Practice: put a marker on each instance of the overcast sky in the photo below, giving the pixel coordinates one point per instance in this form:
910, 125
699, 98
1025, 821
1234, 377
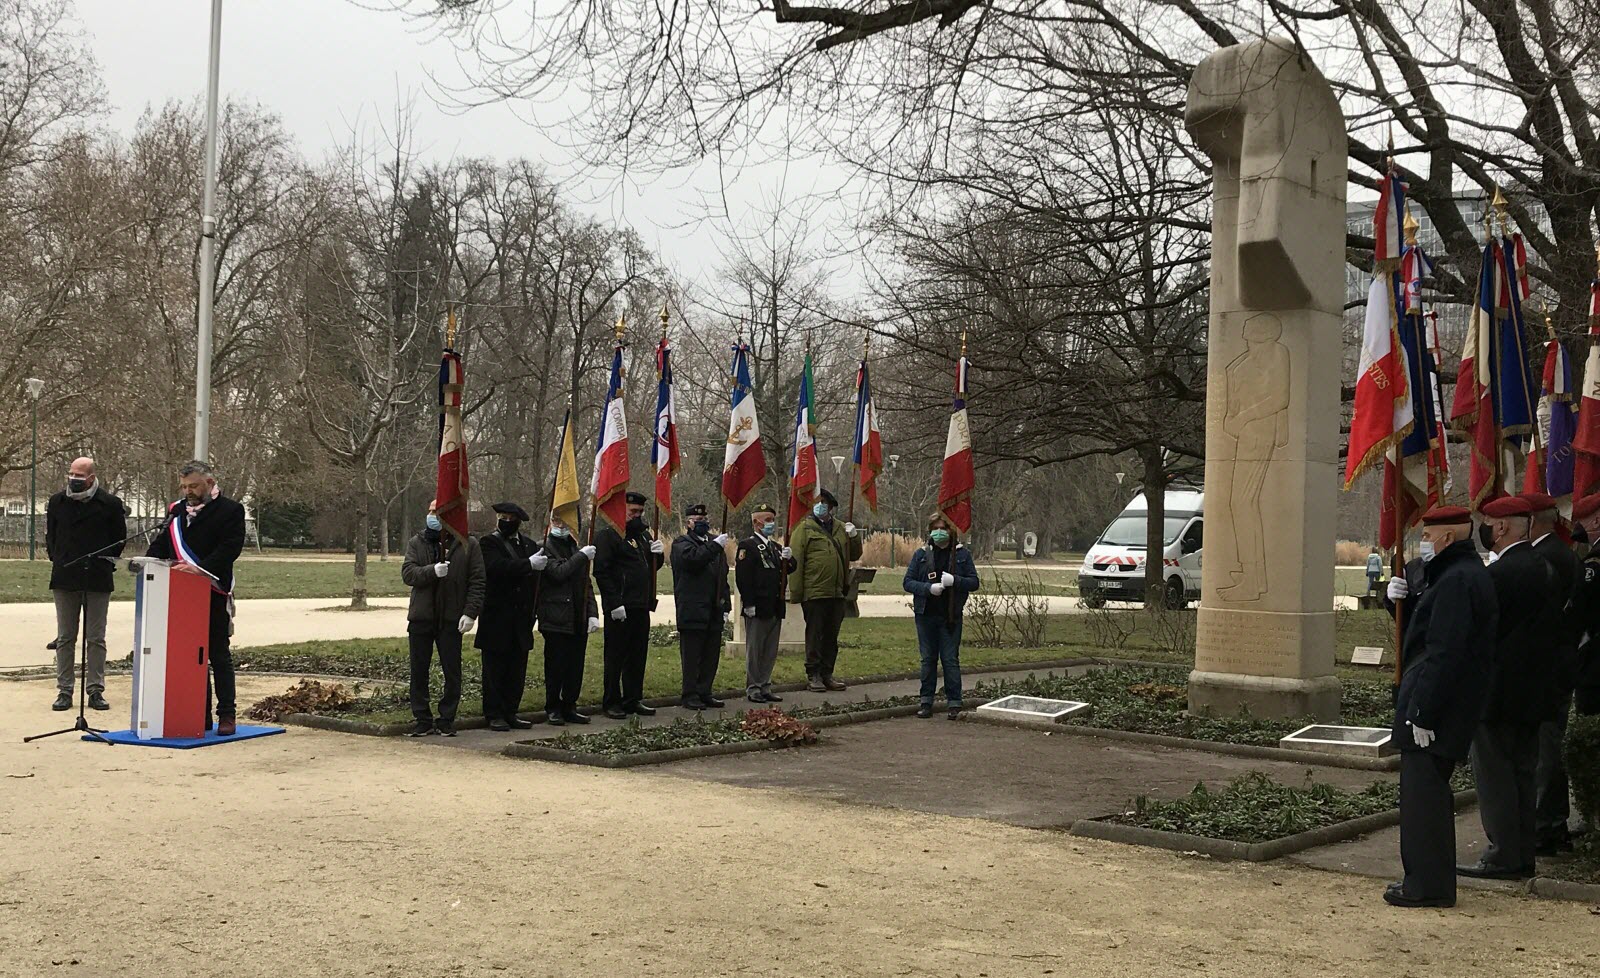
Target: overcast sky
328, 66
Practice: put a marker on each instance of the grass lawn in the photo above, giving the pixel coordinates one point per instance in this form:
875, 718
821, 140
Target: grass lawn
22, 580
868, 646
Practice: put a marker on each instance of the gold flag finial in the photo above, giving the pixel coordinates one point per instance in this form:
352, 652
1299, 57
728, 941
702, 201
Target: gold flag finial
1411, 226
622, 325
1548, 327
664, 317
963, 342
449, 326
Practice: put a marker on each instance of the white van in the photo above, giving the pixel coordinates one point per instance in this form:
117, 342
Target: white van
1113, 569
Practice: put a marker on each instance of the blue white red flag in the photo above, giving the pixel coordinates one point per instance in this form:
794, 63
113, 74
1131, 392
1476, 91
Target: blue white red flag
609, 486
869, 443
803, 468
664, 455
744, 463
956, 478
450, 485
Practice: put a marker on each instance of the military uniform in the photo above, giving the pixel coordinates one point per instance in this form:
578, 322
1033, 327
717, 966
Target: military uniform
1586, 620
505, 629
700, 593
758, 570
1553, 807
624, 574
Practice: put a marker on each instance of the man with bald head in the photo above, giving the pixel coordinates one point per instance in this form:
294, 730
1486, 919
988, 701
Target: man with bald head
80, 520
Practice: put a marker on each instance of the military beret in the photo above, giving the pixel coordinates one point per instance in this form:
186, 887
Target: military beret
1538, 502
511, 509
695, 509
1447, 516
636, 499
1506, 506
1586, 507
767, 508
828, 498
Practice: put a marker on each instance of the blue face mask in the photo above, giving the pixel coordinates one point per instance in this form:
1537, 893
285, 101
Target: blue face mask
821, 511
433, 522
768, 529
559, 532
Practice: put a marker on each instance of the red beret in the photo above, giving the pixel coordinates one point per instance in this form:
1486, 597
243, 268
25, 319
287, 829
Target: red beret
1539, 501
1586, 507
1446, 516
1506, 506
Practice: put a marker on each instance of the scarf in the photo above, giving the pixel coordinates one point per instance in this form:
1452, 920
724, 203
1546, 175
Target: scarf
84, 496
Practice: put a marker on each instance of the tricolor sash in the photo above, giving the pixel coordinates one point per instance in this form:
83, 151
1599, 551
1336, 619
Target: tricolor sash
184, 555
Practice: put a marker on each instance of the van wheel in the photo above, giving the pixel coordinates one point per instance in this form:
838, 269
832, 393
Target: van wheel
1175, 600
1094, 598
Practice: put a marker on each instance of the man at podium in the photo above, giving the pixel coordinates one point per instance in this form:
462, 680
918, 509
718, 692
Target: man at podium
204, 535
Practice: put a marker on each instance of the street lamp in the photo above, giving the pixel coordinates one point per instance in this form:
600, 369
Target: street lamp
35, 388
894, 460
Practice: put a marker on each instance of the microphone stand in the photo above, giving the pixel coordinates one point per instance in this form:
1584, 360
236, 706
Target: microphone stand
81, 725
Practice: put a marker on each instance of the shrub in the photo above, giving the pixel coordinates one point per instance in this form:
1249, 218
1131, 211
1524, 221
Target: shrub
1110, 630
875, 549
1172, 630
1255, 808
1582, 753
1351, 553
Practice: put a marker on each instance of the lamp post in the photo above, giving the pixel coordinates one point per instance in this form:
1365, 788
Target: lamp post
894, 460
35, 388
208, 250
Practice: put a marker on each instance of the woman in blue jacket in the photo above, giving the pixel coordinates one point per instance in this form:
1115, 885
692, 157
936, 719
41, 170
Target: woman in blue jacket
939, 578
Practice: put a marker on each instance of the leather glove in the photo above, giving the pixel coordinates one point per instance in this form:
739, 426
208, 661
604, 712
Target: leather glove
465, 624
588, 552
849, 529
539, 561
721, 539
1399, 590
657, 547
619, 613
787, 554
1422, 735
936, 589
947, 579
594, 625
441, 569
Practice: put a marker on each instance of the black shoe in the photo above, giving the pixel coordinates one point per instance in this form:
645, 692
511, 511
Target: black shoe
925, 710
53, 644
1396, 896
955, 713
555, 720
1551, 847
816, 685
756, 697
834, 684
446, 728
517, 723
712, 702
616, 713
573, 716
63, 702
692, 703
1483, 871
499, 726
97, 700
772, 697
421, 728
639, 709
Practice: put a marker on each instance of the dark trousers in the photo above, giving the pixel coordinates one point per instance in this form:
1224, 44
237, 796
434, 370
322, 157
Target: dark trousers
823, 618
424, 637
1505, 761
698, 650
1427, 826
939, 647
563, 671
221, 654
505, 676
1553, 809
627, 645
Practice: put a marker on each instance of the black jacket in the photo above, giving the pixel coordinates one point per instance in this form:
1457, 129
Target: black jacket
1562, 622
700, 583
1449, 653
74, 529
215, 536
508, 588
1586, 605
436, 602
624, 570
758, 570
1526, 660
566, 601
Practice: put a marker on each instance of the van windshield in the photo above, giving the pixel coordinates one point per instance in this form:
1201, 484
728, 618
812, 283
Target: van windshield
1128, 529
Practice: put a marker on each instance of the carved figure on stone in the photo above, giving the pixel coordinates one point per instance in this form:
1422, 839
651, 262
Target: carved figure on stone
1257, 418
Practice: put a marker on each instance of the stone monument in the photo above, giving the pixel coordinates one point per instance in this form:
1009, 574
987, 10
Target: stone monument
1272, 127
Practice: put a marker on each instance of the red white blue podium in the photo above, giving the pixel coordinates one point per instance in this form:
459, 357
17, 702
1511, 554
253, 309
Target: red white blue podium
171, 629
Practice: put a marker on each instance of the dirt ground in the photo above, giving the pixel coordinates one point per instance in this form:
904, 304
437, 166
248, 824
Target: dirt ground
322, 854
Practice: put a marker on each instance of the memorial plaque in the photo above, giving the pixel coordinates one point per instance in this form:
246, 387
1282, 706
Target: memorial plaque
1033, 708
1330, 738
1367, 655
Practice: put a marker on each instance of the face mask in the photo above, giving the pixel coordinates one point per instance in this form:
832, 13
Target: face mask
820, 511
77, 485
1579, 534
1425, 550
939, 537
433, 523
508, 528
1486, 536
636, 525
767, 529
700, 527
559, 532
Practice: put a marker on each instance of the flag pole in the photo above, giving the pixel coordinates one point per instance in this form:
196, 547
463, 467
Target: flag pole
1397, 560
951, 593
733, 391
855, 455
1508, 264
655, 497
550, 499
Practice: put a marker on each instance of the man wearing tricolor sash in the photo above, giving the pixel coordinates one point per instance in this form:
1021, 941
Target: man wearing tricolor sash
204, 535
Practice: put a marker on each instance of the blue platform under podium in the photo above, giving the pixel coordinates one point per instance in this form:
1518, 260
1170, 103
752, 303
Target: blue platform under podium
246, 732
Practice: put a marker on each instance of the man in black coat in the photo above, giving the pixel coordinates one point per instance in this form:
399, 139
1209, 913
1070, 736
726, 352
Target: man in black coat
1447, 660
700, 591
80, 520
625, 566
759, 571
567, 617
1505, 751
204, 535
511, 564
1551, 541
1586, 602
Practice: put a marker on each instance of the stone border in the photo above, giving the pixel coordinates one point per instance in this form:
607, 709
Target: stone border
1551, 888
1255, 852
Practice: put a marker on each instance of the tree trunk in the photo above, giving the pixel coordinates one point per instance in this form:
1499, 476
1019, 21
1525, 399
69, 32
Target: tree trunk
383, 533
1155, 498
358, 589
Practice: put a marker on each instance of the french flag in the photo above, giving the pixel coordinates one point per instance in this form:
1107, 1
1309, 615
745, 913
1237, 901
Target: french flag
1383, 411
450, 482
609, 487
803, 469
744, 464
956, 480
1550, 468
664, 453
1586, 441
869, 443
1388, 234
1473, 409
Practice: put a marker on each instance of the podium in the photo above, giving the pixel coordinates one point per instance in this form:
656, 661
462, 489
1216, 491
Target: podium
171, 635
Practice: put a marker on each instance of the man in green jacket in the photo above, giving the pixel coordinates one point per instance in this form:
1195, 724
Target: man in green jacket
823, 549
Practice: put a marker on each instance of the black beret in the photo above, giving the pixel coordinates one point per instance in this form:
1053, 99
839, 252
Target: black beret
636, 499
695, 509
511, 509
764, 508
828, 498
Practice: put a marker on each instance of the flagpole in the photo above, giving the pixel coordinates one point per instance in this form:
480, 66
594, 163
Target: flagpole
961, 389
655, 497
1508, 264
855, 468
551, 498
733, 392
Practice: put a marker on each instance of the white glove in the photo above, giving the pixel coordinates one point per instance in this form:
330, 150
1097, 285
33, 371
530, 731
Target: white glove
619, 613
441, 569
1398, 589
657, 547
1422, 735
465, 624
721, 539
947, 579
849, 529
539, 561
588, 552
594, 625
787, 554
936, 589
750, 612
727, 616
